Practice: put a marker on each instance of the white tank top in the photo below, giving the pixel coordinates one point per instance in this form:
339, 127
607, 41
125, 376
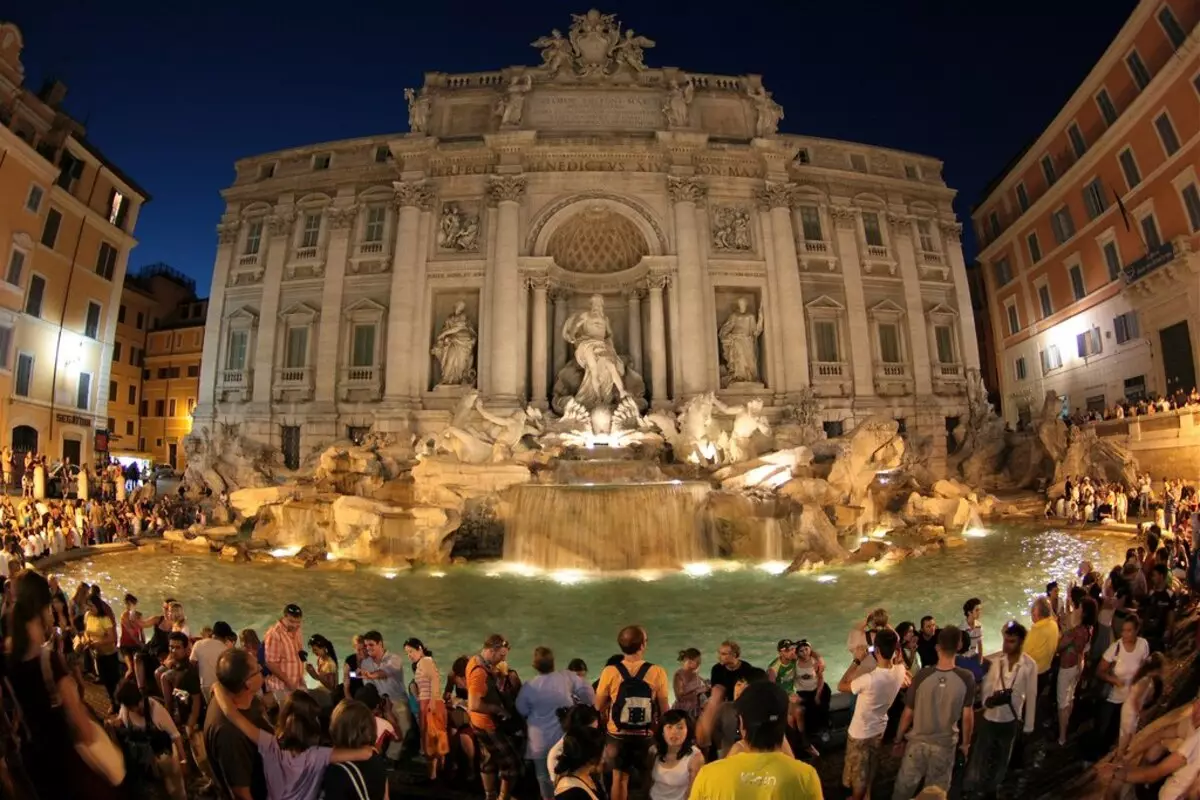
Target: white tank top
671, 783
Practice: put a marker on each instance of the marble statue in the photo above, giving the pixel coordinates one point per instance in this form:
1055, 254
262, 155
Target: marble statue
630, 51
504, 437
739, 344
454, 348
590, 333
557, 52
678, 104
511, 105
418, 110
459, 230
731, 229
748, 420
769, 112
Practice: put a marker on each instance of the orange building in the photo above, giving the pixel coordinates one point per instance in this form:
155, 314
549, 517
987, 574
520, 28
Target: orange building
67, 216
1088, 239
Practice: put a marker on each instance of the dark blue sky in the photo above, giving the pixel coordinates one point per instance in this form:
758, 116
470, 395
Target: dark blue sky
175, 98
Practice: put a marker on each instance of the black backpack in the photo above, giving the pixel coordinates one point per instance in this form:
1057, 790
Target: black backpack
634, 710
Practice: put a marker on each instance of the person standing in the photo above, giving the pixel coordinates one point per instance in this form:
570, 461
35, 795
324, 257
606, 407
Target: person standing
972, 611
1010, 695
281, 646
927, 639
874, 692
728, 670
206, 652
633, 692
935, 701
499, 762
539, 701
385, 671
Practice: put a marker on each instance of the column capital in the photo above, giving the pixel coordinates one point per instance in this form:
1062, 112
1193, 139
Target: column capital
280, 223
227, 232
559, 293
414, 194
505, 188
686, 190
342, 218
775, 195
844, 216
901, 223
539, 282
951, 231
657, 281
634, 294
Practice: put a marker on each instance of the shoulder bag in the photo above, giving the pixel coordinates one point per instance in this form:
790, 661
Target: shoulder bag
356, 779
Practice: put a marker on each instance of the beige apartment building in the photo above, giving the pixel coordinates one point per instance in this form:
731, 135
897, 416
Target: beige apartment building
1089, 239
67, 216
171, 380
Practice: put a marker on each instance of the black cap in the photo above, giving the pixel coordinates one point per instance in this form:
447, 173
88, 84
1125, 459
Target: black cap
292, 610
802, 643
785, 644
223, 630
760, 703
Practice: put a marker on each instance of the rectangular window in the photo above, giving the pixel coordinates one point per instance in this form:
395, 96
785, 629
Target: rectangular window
1166, 132
1020, 368
37, 290
382, 154
83, 394
193, 371
1150, 232
1137, 68
1172, 27
1051, 358
235, 356
1088, 343
1014, 322
321, 161
363, 354
889, 343
858, 162
376, 215
312, 230
6, 334
1002, 272
296, 352
944, 337
1077, 288
50, 230
1047, 305
132, 395
129, 427
16, 265
925, 234
144, 410
1022, 196
810, 223
70, 168
871, 229
171, 407
106, 261
1077, 141
134, 356
162, 374
160, 408
1191, 201
994, 224
116, 207
253, 238
191, 404
1048, 170
1125, 327
1107, 109
1062, 224
266, 171
121, 313
112, 393
24, 375
141, 320
825, 332
1112, 259
1128, 166
1093, 198
1035, 248
91, 327
802, 156
33, 200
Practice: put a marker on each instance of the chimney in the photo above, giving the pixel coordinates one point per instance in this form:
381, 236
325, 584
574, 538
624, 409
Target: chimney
53, 92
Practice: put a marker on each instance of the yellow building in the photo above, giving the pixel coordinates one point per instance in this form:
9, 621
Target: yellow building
67, 217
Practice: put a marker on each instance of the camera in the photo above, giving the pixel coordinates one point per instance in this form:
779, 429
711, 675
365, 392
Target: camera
303, 655
1000, 698
353, 673
871, 649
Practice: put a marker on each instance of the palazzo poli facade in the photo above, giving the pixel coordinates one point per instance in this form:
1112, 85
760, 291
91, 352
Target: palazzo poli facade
369, 284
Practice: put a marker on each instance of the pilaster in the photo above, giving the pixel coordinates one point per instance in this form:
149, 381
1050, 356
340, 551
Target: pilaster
280, 228
776, 199
411, 198
329, 360
506, 339
691, 285
918, 340
845, 224
952, 244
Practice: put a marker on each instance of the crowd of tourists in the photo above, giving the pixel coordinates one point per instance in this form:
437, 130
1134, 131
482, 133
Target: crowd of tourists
1159, 404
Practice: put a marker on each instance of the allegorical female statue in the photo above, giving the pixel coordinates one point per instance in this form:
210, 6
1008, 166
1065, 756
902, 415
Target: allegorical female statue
454, 348
739, 344
589, 331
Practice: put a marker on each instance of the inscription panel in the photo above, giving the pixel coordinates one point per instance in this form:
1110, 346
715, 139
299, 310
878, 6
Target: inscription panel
564, 110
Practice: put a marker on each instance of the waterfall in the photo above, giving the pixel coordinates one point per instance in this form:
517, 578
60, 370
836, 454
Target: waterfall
607, 527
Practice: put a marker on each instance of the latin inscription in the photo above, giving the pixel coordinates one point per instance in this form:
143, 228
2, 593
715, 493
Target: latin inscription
593, 111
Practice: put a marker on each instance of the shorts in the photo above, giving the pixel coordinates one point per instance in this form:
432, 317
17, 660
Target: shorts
628, 753
1068, 679
497, 756
861, 761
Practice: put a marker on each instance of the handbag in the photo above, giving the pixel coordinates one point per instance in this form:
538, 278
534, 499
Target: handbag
101, 755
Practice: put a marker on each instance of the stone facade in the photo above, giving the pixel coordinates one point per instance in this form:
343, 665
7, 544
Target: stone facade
349, 275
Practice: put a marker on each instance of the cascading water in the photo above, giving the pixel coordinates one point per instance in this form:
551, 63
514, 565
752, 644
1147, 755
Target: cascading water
609, 527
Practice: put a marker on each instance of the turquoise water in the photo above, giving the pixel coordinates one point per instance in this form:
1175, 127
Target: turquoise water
579, 616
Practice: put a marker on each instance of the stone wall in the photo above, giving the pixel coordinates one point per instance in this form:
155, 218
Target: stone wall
1165, 445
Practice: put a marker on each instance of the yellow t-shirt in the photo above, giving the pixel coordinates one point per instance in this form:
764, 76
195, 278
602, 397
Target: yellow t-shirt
97, 627
757, 776
610, 682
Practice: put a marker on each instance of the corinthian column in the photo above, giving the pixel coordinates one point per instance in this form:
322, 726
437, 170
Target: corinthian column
505, 338
540, 284
690, 288
412, 197
329, 332
905, 253
658, 342
634, 298
280, 227
776, 199
559, 295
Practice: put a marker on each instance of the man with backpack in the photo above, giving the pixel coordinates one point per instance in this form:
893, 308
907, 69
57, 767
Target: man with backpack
493, 719
633, 693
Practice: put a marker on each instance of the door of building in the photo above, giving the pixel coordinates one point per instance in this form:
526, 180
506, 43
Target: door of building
1179, 367
290, 445
172, 454
73, 450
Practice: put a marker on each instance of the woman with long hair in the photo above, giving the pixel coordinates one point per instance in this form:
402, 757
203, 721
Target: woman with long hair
690, 688
435, 741
100, 638
677, 759
578, 768
1121, 663
458, 723
326, 670
53, 713
1073, 647
1144, 692
353, 726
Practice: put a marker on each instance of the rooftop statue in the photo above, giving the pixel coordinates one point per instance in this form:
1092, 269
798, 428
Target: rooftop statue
593, 47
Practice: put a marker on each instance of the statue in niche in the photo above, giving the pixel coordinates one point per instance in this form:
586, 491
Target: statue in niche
739, 344
459, 230
454, 348
603, 370
769, 112
731, 229
418, 110
678, 103
630, 51
511, 105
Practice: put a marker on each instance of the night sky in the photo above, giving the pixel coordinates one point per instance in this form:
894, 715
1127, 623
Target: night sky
174, 99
